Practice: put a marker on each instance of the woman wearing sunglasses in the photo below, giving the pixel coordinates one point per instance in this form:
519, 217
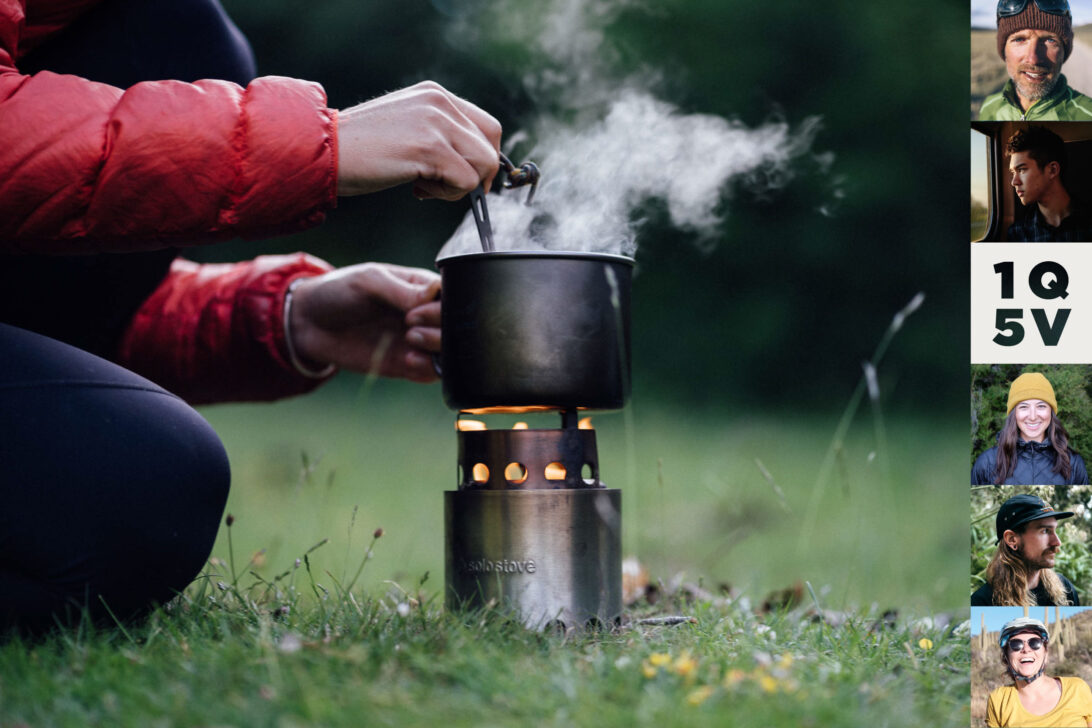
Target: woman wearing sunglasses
1035, 699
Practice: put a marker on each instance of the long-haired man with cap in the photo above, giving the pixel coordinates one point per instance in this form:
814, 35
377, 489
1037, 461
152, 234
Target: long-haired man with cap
1029, 701
1034, 38
1021, 572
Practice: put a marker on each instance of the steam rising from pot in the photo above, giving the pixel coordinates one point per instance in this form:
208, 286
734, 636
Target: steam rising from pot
611, 146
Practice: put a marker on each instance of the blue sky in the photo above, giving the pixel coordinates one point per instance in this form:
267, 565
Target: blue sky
984, 12
997, 616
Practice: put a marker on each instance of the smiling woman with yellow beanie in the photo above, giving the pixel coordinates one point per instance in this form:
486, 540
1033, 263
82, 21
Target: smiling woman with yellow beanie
1033, 447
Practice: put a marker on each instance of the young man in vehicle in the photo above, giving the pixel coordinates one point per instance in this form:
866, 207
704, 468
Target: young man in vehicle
1036, 161
1021, 571
1034, 39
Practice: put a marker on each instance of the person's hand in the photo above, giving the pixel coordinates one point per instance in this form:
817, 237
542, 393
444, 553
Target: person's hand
372, 317
423, 134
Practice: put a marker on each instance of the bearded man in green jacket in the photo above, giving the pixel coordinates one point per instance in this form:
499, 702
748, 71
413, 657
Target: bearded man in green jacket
1034, 38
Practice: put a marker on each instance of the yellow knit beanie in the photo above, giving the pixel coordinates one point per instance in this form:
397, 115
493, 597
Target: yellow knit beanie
1032, 385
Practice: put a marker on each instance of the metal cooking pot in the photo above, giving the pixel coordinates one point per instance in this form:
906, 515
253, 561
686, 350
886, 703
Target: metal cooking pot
535, 329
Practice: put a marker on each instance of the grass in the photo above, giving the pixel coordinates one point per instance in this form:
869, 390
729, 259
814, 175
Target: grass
221, 658
338, 464
708, 500
306, 618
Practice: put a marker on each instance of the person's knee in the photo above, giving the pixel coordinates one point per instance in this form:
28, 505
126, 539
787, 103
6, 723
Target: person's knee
113, 488
172, 524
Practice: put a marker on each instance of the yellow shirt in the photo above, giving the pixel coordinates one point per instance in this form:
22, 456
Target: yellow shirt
1073, 710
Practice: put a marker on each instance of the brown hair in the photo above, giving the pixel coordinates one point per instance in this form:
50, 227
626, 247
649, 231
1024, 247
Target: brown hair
1041, 144
1056, 435
1007, 573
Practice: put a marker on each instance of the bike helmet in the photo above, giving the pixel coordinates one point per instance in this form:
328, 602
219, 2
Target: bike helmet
1016, 626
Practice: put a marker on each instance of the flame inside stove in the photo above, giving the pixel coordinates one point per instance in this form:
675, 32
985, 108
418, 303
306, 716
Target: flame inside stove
585, 423
515, 473
555, 471
507, 410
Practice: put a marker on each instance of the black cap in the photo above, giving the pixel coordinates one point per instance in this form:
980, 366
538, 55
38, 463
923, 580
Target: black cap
1020, 509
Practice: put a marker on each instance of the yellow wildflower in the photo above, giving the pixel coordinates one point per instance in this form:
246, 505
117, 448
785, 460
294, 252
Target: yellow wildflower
925, 643
786, 661
768, 683
734, 677
647, 669
700, 695
659, 659
685, 664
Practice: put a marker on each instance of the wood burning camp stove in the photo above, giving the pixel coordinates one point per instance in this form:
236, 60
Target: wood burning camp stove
531, 527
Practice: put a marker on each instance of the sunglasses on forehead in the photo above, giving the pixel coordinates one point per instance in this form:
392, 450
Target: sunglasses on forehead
1015, 645
1008, 8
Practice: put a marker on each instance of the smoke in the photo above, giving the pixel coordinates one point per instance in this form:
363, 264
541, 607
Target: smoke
606, 146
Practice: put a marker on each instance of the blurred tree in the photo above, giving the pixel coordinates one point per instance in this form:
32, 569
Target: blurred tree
804, 281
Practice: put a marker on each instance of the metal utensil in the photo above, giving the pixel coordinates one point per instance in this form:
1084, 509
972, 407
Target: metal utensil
481, 218
526, 174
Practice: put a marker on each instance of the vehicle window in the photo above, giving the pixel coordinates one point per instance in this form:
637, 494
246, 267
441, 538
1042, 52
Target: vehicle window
980, 185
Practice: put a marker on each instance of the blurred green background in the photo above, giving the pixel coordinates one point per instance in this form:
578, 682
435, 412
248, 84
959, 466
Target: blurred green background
748, 351
790, 301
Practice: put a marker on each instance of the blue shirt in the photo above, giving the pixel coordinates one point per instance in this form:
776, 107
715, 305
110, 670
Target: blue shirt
1033, 228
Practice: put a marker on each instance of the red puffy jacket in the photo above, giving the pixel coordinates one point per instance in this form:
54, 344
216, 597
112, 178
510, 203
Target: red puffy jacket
86, 167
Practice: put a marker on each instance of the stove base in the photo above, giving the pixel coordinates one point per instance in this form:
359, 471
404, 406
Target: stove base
553, 557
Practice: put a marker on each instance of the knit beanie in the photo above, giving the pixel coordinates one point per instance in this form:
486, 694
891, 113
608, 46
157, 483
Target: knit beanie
1031, 385
1034, 18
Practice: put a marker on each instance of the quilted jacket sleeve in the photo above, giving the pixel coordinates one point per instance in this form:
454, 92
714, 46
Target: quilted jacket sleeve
90, 167
215, 332
87, 167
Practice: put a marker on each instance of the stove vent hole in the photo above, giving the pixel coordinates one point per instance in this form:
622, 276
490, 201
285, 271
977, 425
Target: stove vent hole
515, 473
589, 474
555, 471
480, 473
555, 626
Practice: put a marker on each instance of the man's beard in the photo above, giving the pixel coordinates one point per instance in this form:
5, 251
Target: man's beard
1036, 91
1041, 562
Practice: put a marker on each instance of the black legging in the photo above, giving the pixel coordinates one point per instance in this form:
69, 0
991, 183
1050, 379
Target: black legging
111, 488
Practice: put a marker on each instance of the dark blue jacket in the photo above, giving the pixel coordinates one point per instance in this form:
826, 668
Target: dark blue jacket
1034, 466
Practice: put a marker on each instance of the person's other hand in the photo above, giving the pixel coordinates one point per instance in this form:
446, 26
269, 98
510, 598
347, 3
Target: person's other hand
372, 317
423, 134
